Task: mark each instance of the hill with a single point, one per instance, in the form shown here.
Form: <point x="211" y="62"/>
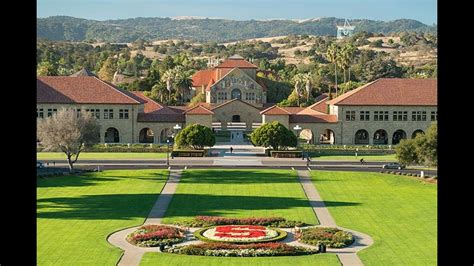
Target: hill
<point x="205" y="29"/>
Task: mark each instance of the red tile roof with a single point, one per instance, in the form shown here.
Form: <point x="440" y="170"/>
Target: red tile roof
<point x="303" y="118"/>
<point x="199" y="110"/>
<point x="231" y="101"/>
<point x="233" y="63"/>
<point x="155" y="112"/>
<point x="320" y="104"/>
<point x="83" y="89"/>
<point x="293" y="110"/>
<point x="150" y="105"/>
<point x="275" y="110"/>
<point x="202" y="78"/>
<point x="392" y="92"/>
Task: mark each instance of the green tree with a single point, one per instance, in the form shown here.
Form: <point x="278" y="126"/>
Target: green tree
<point x="169" y="77"/>
<point x="274" y="135"/>
<point x="199" y="98"/>
<point x="406" y="152"/>
<point x="427" y="146"/>
<point x="332" y="55"/>
<point x="195" y="136"/>
<point x="182" y="81"/>
<point x="45" y="68"/>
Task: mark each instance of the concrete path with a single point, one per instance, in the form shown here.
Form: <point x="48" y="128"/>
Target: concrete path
<point x="132" y="254"/>
<point x="347" y="256"/>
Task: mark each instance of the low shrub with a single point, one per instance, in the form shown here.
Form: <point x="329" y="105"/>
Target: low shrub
<point x="154" y="235"/>
<point x="331" y="237"/>
<point x="206" y="221"/>
<point x="245" y="250"/>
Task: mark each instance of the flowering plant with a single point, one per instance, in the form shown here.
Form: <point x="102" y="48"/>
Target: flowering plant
<point x="154" y="235"/>
<point x="331" y="237"/>
<point x="240" y="234"/>
<point x="204" y="221"/>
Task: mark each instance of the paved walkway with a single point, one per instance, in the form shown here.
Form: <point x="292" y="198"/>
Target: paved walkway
<point x="347" y="256"/>
<point x="133" y="255"/>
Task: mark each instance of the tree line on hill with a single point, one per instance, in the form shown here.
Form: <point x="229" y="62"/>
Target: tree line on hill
<point x="128" y="30"/>
<point x="335" y="67"/>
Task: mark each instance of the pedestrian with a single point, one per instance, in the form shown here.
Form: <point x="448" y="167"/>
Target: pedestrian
<point x="308" y="160"/>
<point x="362" y="161"/>
<point x="231" y="149"/>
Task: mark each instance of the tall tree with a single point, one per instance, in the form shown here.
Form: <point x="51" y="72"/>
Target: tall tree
<point x="108" y="69"/>
<point x="332" y="56"/>
<point x="299" y="81"/>
<point x="68" y="132"/>
<point x="169" y="78"/>
<point x="183" y="82"/>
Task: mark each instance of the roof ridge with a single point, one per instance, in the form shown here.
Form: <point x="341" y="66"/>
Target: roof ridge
<point x="198" y="106"/>
<point x="148" y="99"/>
<point x="351" y="93"/>
<point x="233" y="100"/>
<point x="274" y="106"/>
<point x="115" y="88"/>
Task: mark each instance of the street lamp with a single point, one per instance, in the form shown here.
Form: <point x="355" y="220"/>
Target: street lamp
<point x="168" y="152"/>
<point x="297" y="128"/>
<point x="177" y="127"/>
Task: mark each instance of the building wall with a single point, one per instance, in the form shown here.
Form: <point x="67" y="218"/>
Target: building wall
<point x="283" y="119"/>
<point x="247" y="114"/>
<point x="349" y="128"/>
<point x="125" y="127"/>
<point x="157" y="128"/>
<point x="318" y="129"/>
<point x="205" y="120"/>
<point x="237" y="80"/>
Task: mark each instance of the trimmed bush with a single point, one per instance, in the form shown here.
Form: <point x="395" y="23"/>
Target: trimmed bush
<point x="206" y="221"/>
<point x="331" y="237"/>
<point x="154" y="235"/>
<point x="246" y="250"/>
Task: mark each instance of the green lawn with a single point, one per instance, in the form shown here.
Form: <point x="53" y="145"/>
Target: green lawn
<point x="398" y="212"/>
<point x="75" y="214"/>
<point x="240" y="193"/>
<point x="183" y="260"/>
<point x="367" y="158"/>
<point x="101" y="155"/>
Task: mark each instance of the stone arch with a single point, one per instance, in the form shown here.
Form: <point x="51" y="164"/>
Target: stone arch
<point x="361" y="137"/>
<point x="146" y="135"/>
<point x="327" y="137"/>
<point x="398" y="136"/>
<point x="307" y="135"/>
<point x="380" y="137"/>
<point x="236" y="94"/>
<point x="111" y="135"/>
<point x="416" y="132"/>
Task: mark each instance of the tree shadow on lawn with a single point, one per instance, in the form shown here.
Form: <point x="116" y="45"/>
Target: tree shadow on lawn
<point x="92" y="207"/>
<point x="237" y="177"/>
<point x="92" y="179"/>
<point x="190" y="205"/>
<point x="130" y="206"/>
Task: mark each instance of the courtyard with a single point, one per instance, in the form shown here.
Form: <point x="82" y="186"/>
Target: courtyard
<point x="76" y="214"/>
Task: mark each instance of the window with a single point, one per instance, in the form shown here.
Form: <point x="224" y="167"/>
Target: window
<point x="39" y="113"/>
<point x="222" y="95"/>
<point x="364" y="115"/>
<point x="123" y="114"/>
<point x="250" y="96"/>
<point x="381" y="116"/>
<point x="94" y="112"/>
<point x="405" y="116"/>
<point x="434" y="116"/>
<point x="350" y="115"/>
<point x="108" y="113"/>
<point x="418" y="115"/>
<point x="51" y="112"/>
<point x="400" y="116"/>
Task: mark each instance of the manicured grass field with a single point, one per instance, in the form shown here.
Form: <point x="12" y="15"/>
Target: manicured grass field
<point x="101" y="155"/>
<point x="399" y="213"/>
<point x="367" y="158"/>
<point x="75" y="214"/>
<point x="183" y="260"/>
<point x="240" y="193"/>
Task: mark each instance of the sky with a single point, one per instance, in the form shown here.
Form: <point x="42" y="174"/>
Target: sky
<point x="386" y="10"/>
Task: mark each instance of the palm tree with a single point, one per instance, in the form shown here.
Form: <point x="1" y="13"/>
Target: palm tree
<point x="307" y="78"/>
<point x="332" y="55"/>
<point x="183" y="82"/>
<point x="299" y="80"/>
<point x="350" y="51"/>
<point x="169" y="78"/>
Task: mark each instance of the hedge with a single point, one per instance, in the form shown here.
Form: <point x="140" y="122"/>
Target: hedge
<point x="286" y="154"/>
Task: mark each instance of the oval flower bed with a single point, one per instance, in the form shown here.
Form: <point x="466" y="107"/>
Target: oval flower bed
<point x="241" y="250"/>
<point x="240" y="234"/>
<point x="331" y="237"/>
<point x="154" y="235"/>
<point x="205" y="221"/>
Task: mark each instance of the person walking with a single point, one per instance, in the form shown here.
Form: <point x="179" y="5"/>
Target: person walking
<point x="231" y="149"/>
<point x="362" y="161"/>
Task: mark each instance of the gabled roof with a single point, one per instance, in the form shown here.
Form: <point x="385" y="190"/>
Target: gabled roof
<point x="199" y="110"/>
<point x="212" y="82"/>
<point x="231" y="101"/>
<point x="320" y="104"/>
<point x="275" y="110"/>
<point x="155" y="112"/>
<point x="392" y="92"/>
<point x="83" y="73"/>
<point x="236" y="61"/>
<point x="202" y="78"/>
<point x="83" y="89"/>
<point x="150" y="105"/>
